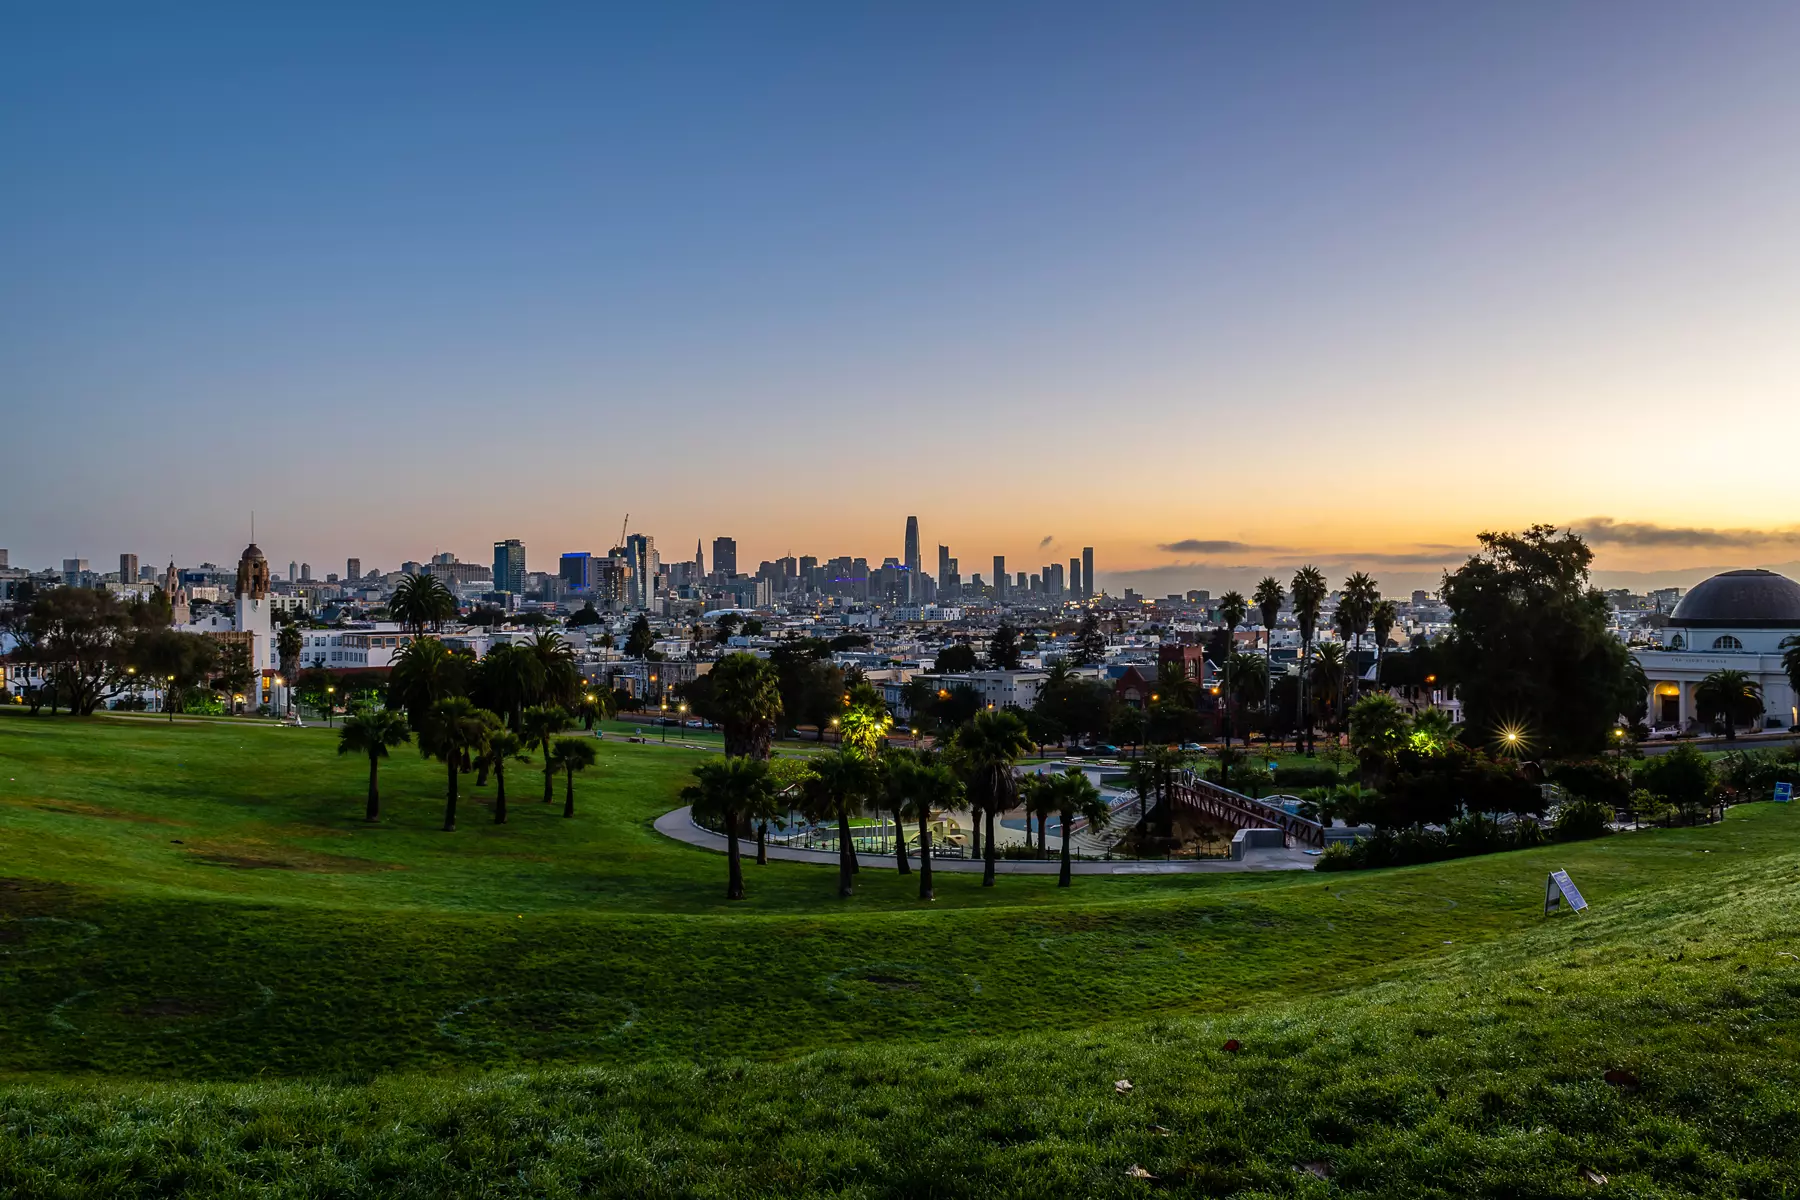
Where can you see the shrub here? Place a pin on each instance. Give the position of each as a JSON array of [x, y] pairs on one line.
[[1304, 775], [1579, 820]]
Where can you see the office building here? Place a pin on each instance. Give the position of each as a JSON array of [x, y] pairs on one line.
[[1087, 572], [305, 572], [128, 568], [1075, 578], [509, 566], [724, 557], [353, 569], [293, 575], [999, 577], [915, 562]]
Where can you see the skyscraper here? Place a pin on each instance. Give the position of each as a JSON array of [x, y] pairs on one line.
[[353, 569], [1087, 571], [1075, 578], [725, 556], [293, 571], [944, 567], [509, 566], [305, 572], [640, 554], [699, 561], [915, 563], [999, 577], [127, 568]]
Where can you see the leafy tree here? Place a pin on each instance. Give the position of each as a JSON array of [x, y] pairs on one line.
[[1153, 777], [1683, 779], [1249, 687], [958, 658], [79, 637], [173, 661], [731, 791], [1309, 596], [1090, 642], [726, 628], [1003, 648], [1529, 645], [569, 756], [1079, 706], [792, 777], [746, 703], [422, 602], [453, 734], [587, 615], [1379, 729], [235, 672], [373, 734], [539, 726], [1729, 697], [987, 749], [640, 639]]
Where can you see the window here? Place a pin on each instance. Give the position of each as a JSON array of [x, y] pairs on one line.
[[1680, 643], [1727, 642]]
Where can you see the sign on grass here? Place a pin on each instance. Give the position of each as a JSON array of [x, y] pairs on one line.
[[1559, 888], [1784, 792]]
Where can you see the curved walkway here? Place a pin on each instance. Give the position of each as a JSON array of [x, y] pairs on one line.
[[680, 826]]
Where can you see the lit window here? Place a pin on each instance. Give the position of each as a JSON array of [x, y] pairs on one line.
[[1727, 642]]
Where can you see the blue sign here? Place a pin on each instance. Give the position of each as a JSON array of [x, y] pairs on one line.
[[1784, 792], [1558, 889]]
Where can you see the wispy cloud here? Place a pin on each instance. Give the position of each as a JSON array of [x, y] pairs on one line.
[[1203, 546], [1424, 556], [1604, 531], [1048, 539]]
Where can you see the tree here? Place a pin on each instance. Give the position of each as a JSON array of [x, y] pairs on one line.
[[864, 727], [1379, 729], [640, 639], [958, 658], [1382, 618], [503, 746], [836, 790], [1790, 661], [1355, 606], [588, 615], [892, 770], [1268, 597], [1232, 611], [987, 750], [174, 661], [1683, 778], [425, 672], [562, 679], [79, 638], [1152, 777], [1529, 646], [507, 680], [1309, 596], [730, 791], [569, 756], [1003, 648], [235, 672], [791, 777], [289, 641], [1090, 642], [1730, 697], [725, 628], [1329, 671], [421, 602], [538, 728], [1249, 676], [453, 734], [373, 734], [1072, 797], [746, 703]]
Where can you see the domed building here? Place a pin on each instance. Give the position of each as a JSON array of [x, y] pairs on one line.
[[1734, 621], [253, 618]]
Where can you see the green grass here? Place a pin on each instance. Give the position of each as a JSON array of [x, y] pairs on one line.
[[214, 978]]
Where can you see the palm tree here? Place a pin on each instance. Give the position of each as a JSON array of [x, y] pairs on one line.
[[839, 785], [503, 746], [931, 787], [1382, 618], [1309, 596], [1232, 611], [1355, 607], [730, 791], [1249, 675], [1268, 598], [539, 726], [988, 748], [569, 756], [747, 697], [864, 728], [420, 601], [373, 733], [1071, 796], [561, 678], [425, 671], [895, 768], [1328, 675], [454, 734], [1790, 661], [507, 680], [1730, 696]]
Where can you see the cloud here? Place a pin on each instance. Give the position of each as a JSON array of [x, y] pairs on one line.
[[1045, 544], [1202, 546], [1425, 556], [1604, 531]]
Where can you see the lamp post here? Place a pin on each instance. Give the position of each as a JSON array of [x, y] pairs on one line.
[[330, 705], [169, 697], [132, 673]]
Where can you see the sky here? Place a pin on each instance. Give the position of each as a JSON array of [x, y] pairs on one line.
[[1214, 289]]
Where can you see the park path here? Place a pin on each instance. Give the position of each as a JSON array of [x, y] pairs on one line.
[[679, 825]]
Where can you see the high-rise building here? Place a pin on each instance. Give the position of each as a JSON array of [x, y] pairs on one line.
[[1087, 571], [127, 568], [575, 570], [640, 555], [725, 556], [1053, 580], [509, 566], [915, 562], [3, 559], [944, 567], [1075, 578], [305, 572], [699, 560], [999, 576], [293, 571], [353, 569]]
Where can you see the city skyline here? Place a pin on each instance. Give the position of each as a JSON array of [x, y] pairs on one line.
[[1206, 290]]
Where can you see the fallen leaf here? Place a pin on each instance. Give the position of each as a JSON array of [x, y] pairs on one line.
[[1624, 1079], [1122, 1086], [1136, 1172], [1592, 1176], [1162, 1131], [1317, 1168], [1233, 1046]]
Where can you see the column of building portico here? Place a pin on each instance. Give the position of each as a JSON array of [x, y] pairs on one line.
[[1687, 705]]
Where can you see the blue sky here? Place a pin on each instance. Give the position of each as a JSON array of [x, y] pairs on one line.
[[1300, 279]]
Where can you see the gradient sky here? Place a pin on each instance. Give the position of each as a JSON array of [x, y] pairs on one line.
[[1204, 287]]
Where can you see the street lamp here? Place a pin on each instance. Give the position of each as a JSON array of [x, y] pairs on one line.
[[168, 695], [330, 705]]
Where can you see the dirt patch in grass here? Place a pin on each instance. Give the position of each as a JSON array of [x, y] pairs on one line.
[[250, 856], [74, 808], [170, 1006]]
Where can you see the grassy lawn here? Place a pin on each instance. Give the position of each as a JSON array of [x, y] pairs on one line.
[[215, 978]]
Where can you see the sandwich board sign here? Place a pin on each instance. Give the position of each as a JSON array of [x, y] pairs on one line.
[[1784, 792], [1558, 888]]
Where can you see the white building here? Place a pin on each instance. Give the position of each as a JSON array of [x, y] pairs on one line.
[[1734, 621]]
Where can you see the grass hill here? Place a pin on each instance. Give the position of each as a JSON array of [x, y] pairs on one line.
[[216, 979]]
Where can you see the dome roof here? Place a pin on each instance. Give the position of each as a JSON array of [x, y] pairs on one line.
[[1741, 600], [251, 554]]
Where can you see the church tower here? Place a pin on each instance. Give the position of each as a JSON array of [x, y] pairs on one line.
[[253, 608], [178, 597]]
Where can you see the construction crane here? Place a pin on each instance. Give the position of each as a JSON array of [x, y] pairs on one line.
[[623, 526]]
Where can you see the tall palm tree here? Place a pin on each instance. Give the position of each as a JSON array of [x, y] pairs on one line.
[[507, 680], [425, 671], [1071, 796], [561, 678], [988, 748], [373, 734], [839, 786], [1790, 661], [1249, 684], [1310, 591], [1232, 611], [503, 746], [453, 734], [1730, 696], [893, 770], [931, 787], [1329, 670], [747, 696], [539, 726], [569, 756], [1355, 607], [421, 602], [731, 791], [1268, 598], [1382, 618]]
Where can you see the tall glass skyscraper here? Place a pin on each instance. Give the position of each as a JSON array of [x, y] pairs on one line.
[[509, 566], [915, 563]]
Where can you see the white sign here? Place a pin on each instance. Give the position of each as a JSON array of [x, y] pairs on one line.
[[1558, 888]]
